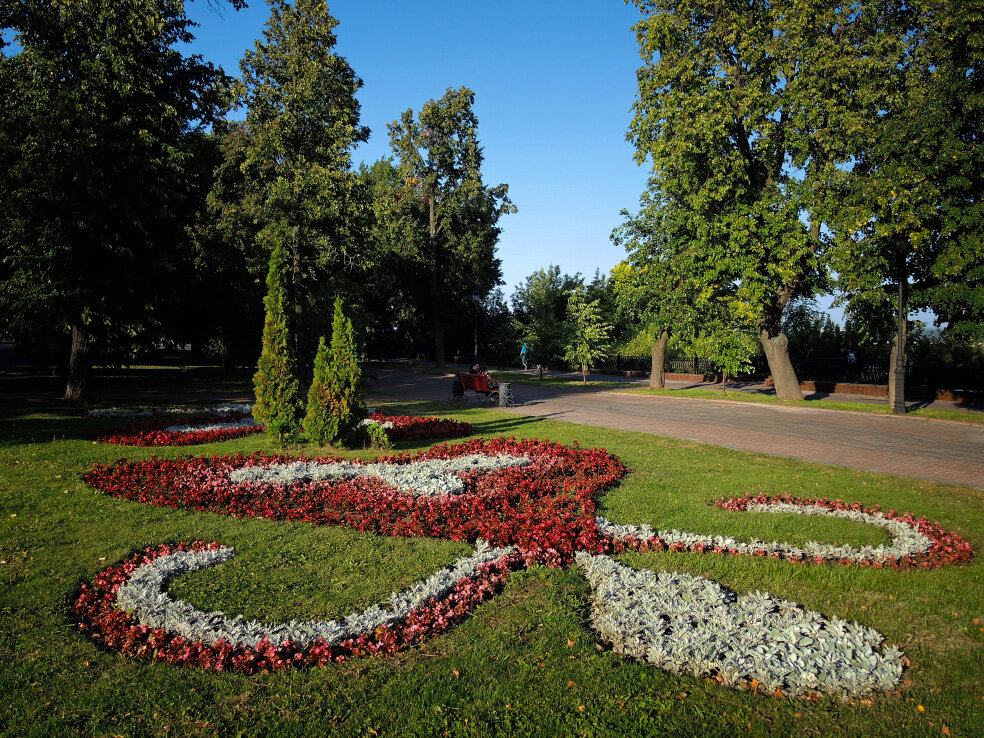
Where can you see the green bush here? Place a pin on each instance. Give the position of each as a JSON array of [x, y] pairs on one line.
[[335, 402], [278, 393]]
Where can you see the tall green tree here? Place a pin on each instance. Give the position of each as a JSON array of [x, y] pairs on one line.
[[99, 101], [910, 226], [457, 228], [589, 334], [540, 308], [742, 116], [278, 393], [302, 122], [665, 285]]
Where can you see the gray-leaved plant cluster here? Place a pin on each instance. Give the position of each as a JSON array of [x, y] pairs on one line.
[[144, 596], [430, 478], [907, 540], [692, 625]]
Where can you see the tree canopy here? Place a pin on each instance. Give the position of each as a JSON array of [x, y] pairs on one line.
[[100, 103]]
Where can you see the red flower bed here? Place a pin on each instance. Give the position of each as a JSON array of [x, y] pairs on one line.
[[412, 428], [152, 433], [114, 628], [545, 507]]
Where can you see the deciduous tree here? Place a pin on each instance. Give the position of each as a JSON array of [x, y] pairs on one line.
[[98, 103], [440, 166]]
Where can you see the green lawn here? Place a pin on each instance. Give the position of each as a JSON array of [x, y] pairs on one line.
[[525, 663]]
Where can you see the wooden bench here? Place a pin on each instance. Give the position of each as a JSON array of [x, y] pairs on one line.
[[484, 389]]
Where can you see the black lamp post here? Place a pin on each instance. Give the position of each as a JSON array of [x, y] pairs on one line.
[[477, 299]]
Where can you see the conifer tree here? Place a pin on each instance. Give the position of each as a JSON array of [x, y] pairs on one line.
[[317, 424], [336, 405], [278, 401]]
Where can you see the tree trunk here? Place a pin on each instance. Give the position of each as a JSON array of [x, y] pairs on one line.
[[77, 387], [437, 320], [724, 383], [896, 365], [657, 378], [302, 364], [776, 348]]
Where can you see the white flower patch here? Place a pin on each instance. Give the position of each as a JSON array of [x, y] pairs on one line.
[[430, 478], [369, 421], [244, 423], [144, 595], [907, 540], [692, 625], [140, 412]]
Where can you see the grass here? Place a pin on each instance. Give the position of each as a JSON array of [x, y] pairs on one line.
[[861, 407], [526, 663]]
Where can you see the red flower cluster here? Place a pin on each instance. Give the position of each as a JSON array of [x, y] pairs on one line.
[[152, 433], [412, 428], [545, 508], [947, 548], [98, 616]]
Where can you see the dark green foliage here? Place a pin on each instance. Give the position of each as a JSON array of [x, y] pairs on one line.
[[278, 394], [540, 307], [336, 405], [453, 234], [100, 108]]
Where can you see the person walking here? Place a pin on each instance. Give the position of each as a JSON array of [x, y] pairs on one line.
[[522, 356]]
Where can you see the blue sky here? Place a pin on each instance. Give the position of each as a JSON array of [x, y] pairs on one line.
[[554, 83]]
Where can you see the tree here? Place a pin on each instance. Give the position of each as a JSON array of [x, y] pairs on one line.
[[910, 223], [540, 308], [98, 106], [440, 167], [588, 332], [278, 394], [335, 403], [302, 122], [665, 284], [741, 113]]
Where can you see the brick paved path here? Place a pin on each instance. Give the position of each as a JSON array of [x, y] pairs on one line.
[[927, 449]]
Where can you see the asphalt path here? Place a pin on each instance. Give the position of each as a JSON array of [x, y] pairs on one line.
[[915, 447]]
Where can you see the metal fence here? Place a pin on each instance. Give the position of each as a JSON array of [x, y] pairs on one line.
[[865, 370]]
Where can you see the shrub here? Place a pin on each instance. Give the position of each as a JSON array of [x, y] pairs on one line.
[[278, 394]]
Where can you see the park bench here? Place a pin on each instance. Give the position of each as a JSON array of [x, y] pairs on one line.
[[484, 390]]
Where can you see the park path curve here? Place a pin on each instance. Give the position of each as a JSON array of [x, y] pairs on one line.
[[914, 447]]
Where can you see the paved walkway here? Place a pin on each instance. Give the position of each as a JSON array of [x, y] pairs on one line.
[[926, 449]]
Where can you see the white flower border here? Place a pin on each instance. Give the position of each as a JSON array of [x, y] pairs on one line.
[[244, 423], [144, 596], [691, 625], [907, 540], [143, 412]]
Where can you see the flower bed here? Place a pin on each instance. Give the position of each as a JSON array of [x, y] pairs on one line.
[[189, 431], [916, 543], [522, 502], [126, 608], [412, 428], [544, 506]]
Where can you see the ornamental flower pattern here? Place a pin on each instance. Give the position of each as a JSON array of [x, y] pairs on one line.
[[178, 426], [521, 502]]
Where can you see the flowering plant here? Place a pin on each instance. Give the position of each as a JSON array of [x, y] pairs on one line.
[[413, 428], [522, 502], [185, 431]]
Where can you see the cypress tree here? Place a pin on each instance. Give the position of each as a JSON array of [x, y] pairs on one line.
[[335, 403], [278, 401]]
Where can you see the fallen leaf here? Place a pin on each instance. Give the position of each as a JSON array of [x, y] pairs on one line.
[[920, 708], [569, 643], [945, 729]]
